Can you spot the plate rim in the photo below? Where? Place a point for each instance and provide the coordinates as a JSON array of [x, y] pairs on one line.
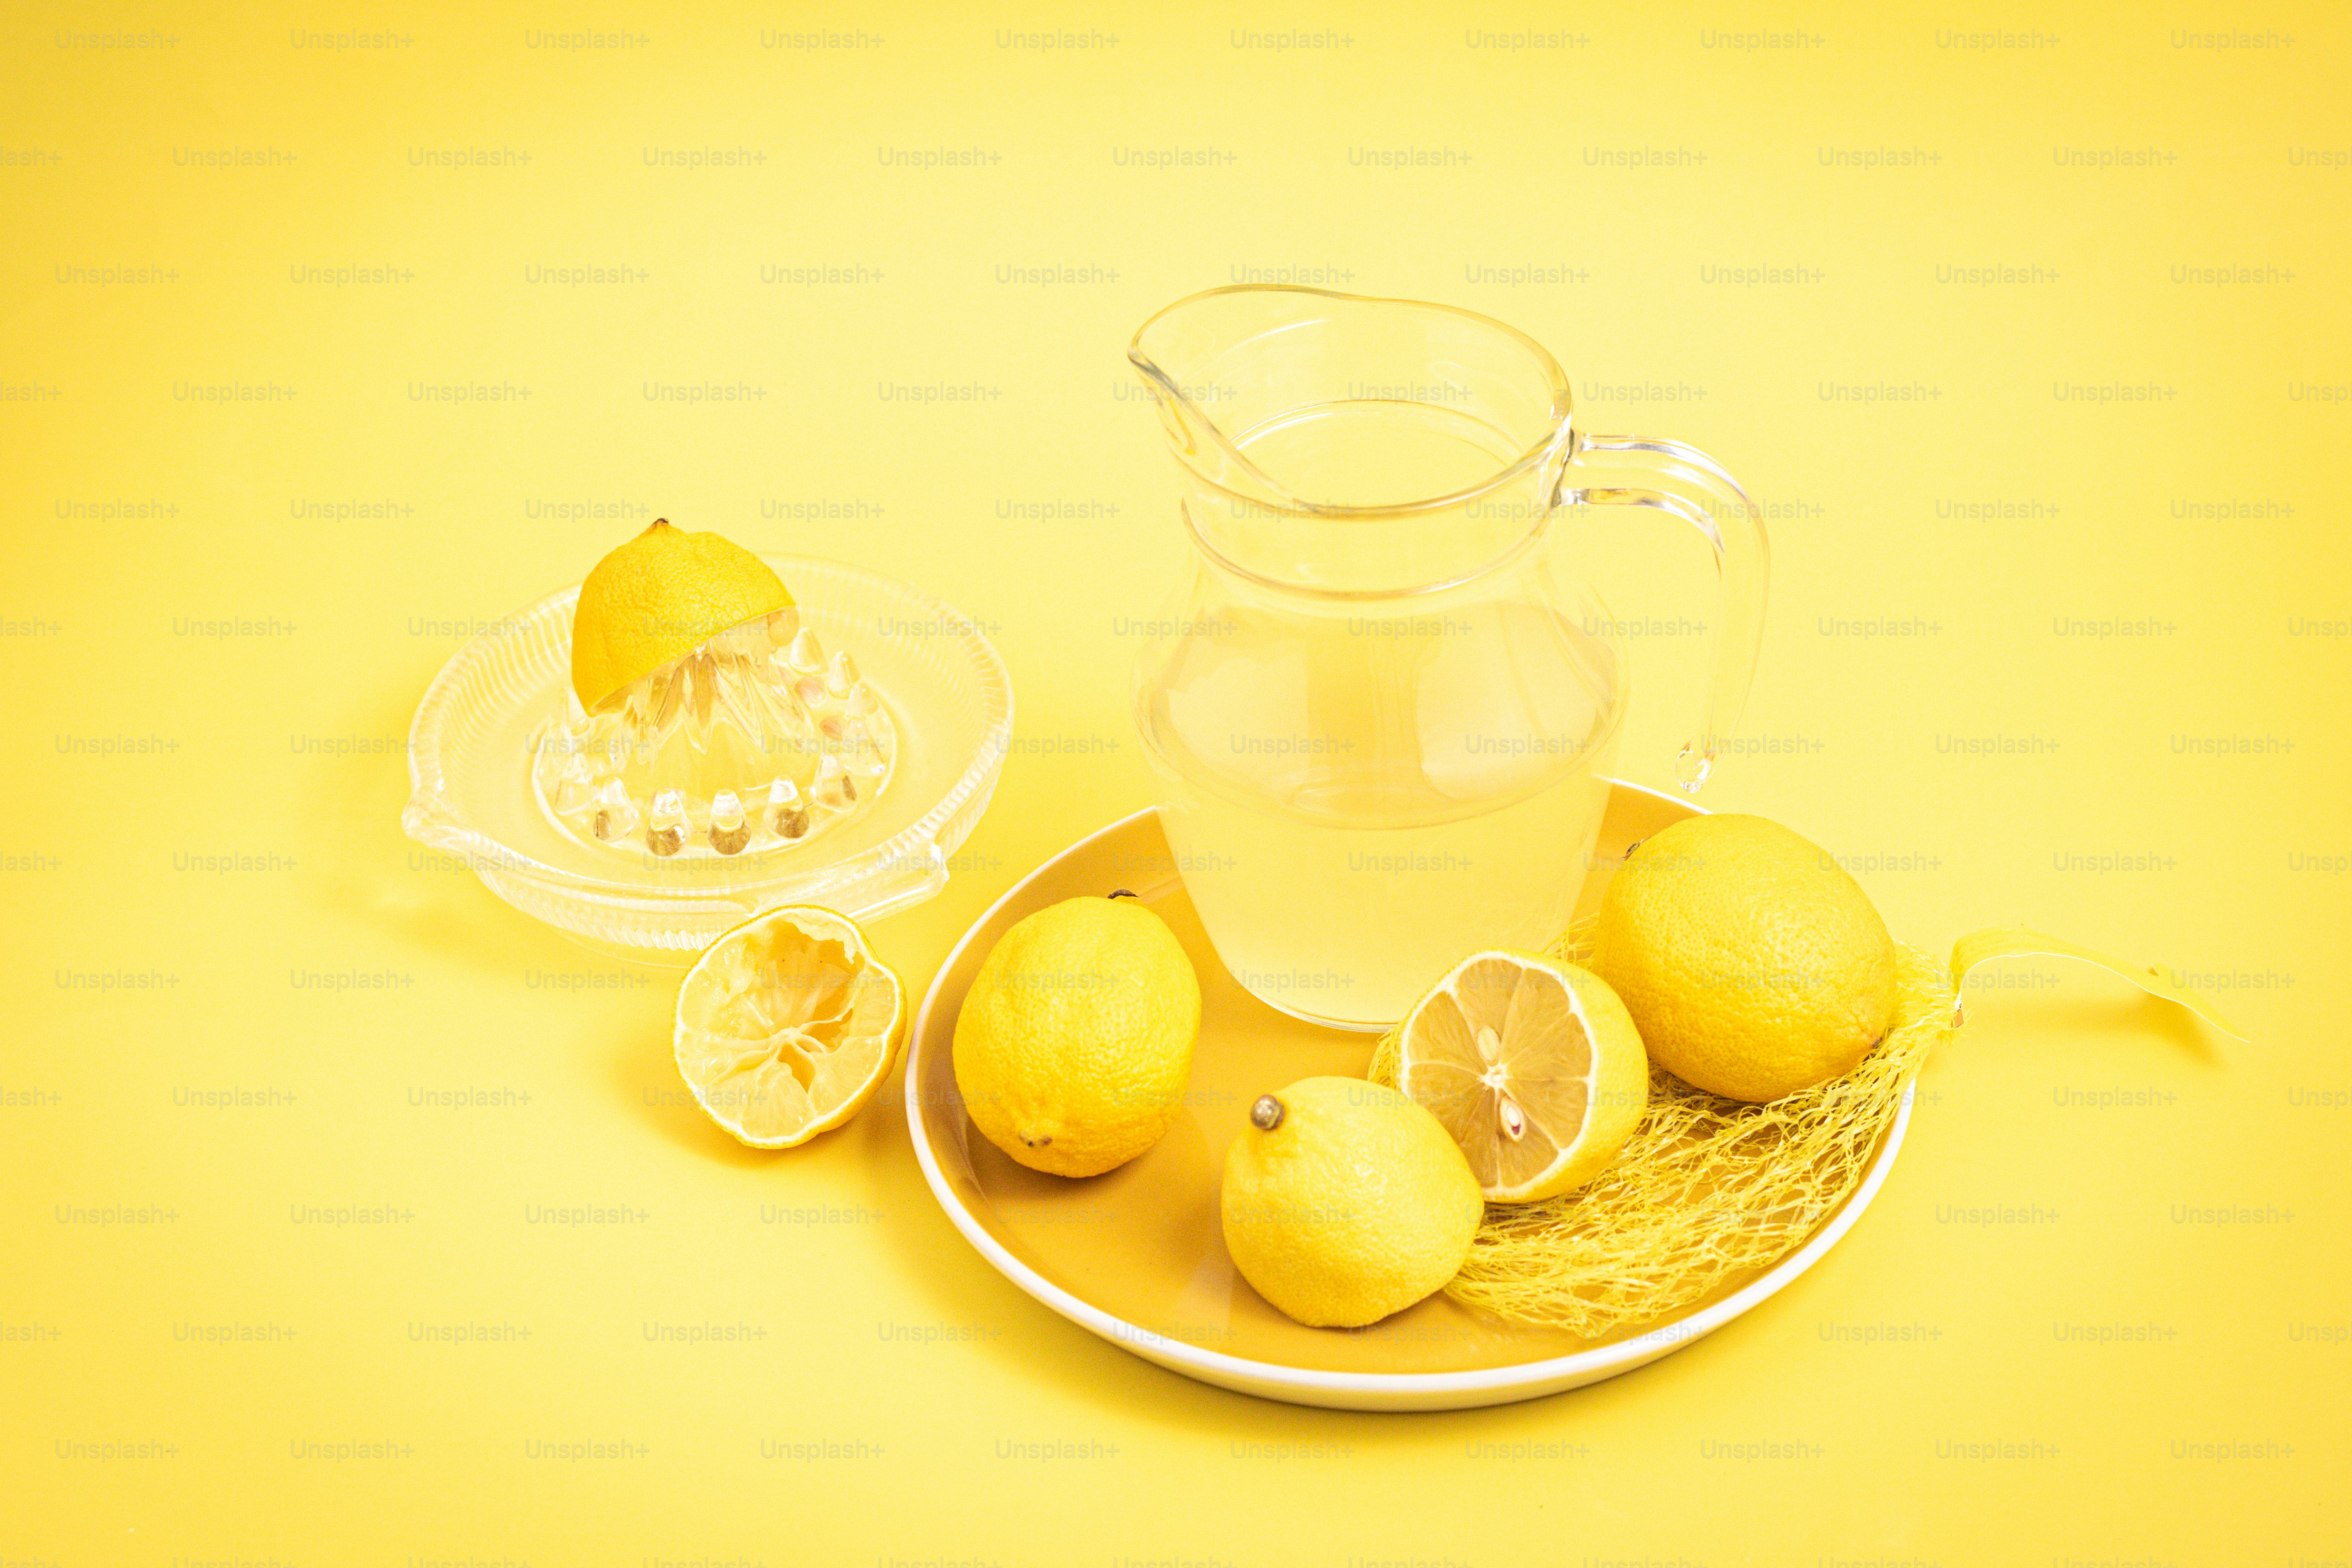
[[1280, 1380]]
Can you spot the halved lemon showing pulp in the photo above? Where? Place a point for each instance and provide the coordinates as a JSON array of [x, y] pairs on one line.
[[787, 1024], [1532, 1066]]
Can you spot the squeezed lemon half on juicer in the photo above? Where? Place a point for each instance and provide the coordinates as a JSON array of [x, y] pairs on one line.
[[702, 718], [787, 1024]]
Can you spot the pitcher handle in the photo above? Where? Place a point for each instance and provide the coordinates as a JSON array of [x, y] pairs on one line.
[[1688, 484]]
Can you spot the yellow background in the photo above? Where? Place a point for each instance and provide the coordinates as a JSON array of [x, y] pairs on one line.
[[220, 613]]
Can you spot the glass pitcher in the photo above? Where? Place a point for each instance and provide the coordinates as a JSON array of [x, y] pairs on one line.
[[1385, 713]]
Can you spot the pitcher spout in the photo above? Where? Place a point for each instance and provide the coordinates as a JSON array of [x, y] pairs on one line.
[[1234, 368], [1180, 354], [1351, 443]]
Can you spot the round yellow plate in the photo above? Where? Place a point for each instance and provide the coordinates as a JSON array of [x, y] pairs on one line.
[[1137, 1256]]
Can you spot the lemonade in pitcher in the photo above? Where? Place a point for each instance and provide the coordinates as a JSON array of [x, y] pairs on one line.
[[1385, 714]]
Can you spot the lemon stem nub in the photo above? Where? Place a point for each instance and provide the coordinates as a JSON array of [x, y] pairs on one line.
[[1267, 1114]]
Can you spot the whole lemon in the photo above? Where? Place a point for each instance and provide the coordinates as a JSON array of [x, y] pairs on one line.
[[1074, 1044], [1752, 964], [1344, 1201]]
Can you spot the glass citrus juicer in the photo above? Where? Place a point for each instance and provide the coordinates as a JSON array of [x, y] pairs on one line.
[[698, 732], [1385, 713], [711, 723]]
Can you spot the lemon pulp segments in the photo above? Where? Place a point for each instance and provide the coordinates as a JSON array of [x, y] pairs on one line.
[[787, 1025], [1530, 1066]]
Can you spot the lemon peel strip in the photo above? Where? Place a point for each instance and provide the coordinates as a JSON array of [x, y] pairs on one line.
[[2018, 942]]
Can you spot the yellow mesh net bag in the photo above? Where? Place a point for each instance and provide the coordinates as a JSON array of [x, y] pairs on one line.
[[1706, 1188]]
